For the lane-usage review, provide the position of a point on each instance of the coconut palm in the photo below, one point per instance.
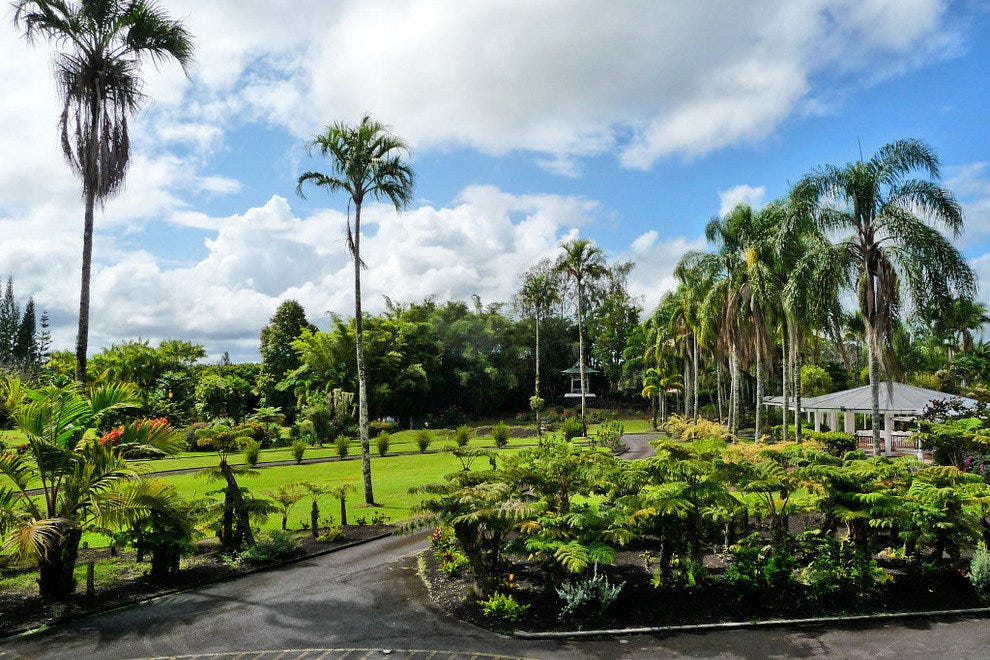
(366, 159)
(98, 79)
(887, 244)
(582, 263)
(86, 480)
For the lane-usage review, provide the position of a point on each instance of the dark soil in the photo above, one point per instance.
(19, 611)
(641, 605)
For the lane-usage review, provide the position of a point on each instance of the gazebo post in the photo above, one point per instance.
(818, 421)
(833, 420)
(888, 437)
(850, 422)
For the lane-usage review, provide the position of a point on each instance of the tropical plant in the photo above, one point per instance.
(582, 263)
(285, 497)
(86, 480)
(98, 79)
(891, 251)
(234, 530)
(366, 159)
(539, 291)
(340, 492)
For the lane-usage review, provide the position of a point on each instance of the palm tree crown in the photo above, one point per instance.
(98, 79)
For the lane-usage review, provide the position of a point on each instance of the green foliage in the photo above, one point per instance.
(462, 435)
(537, 403)
(953, 439)
(500, 434)
(278, 358)
(502, 606)
(331, 533)
(423, 440)
(609, 434)
(815, 381)
(838, 567)
(252, 448)
(343, 445)
(278, 546)
(220, 397)
(593, 593)
(979, 572)
(570, 428)
(835, 442)
(382, 442)
(299, 450)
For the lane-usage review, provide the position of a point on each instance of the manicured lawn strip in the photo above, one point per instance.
(392, 477)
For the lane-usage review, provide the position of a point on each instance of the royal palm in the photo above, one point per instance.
(366, 159)
(98, 80)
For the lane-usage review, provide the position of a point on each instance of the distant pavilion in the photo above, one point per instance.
(899, 402)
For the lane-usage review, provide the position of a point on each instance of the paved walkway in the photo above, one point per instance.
(639, 444)
(368, 602)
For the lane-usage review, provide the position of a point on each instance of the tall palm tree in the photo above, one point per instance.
(890, 246)
(583, 262)
(539, 292)
(366, 159)
(98, 79)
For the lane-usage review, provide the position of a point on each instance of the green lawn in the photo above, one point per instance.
(392, 477)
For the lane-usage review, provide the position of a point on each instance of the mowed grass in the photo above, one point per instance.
(392, 478)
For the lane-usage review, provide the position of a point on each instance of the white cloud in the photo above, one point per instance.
(565, 80)
(741, 194)
(480, 244)
(655, 261)
(971, 184)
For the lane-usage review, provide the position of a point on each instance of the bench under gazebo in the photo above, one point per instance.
(899, 402)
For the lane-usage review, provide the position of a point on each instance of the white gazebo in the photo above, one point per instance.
(898, 402)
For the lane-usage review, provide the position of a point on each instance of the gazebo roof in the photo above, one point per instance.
(576, 369)
(898, 398)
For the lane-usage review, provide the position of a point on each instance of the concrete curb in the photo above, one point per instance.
(741, 625)
(135, 602)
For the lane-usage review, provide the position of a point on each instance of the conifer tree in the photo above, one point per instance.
(10, 316)
(25, 349)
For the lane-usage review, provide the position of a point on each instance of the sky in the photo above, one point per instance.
(529, 123)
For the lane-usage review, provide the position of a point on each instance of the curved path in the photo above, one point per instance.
(639, 444)
(367, 601)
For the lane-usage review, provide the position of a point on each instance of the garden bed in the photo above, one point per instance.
(640, 604)
(121, 580)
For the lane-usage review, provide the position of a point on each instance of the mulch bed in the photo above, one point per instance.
(641, 605)
(19, 611)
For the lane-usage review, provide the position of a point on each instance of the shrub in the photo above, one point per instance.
(584, 594)
(384, 440)
(189, 434)
(462, 435)
(278, 545)
(835, 442)
(500, 434)
(979, 572)
(570, 428)
(502, 606)
(383, 425)
(298, 450)
(423, 440)
(343, 444)
(252, 448)
(332, 533)
(453, 563)
(609, 433)
(376, 518)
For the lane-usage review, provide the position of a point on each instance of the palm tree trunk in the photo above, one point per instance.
(90, 186)
(735, 391)
(718, 386)
(57, 563)
(784, 375)
(796, 352)
(580, 315)
(694, 374)
(874, 385)
(759, 395)
(536, 386)
(687, 380)
(369, 497)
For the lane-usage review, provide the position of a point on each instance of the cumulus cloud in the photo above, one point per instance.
(971, 183)
(643, 78)
(741, 194)
(480, 244)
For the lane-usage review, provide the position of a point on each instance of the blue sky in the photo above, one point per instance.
(530, 123)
